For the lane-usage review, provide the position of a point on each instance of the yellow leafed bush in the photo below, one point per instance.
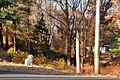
(18, 56)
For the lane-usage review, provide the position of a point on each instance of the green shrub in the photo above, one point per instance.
(18, 56)
(115, 51)
(115, 46)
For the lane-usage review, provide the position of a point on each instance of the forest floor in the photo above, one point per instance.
(113, 71)
(107, 66)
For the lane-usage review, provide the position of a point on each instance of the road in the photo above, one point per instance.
(10, 75)
(50, 77)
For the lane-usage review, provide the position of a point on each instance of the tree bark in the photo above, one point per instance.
(1, 36)
(68, 37)
(7, 38)
(81, 51)
(14, 43)
(14, 38)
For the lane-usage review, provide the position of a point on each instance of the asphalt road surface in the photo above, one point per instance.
(7, 75)
(50, 77)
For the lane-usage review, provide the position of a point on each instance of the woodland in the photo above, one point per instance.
(49, 30)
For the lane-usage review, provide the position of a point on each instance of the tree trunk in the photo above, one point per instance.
(1, 36)
(14, 38)
(68, 37)
(14, 43)
(91, 53)
(81, 47)
(29, 47)
(91, 58)
(85, 44)
(81, 51)
(69, 50)
(7, 37)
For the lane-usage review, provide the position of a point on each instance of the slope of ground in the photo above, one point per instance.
(12, 67)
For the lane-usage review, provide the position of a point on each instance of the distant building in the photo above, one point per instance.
(102, 49)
